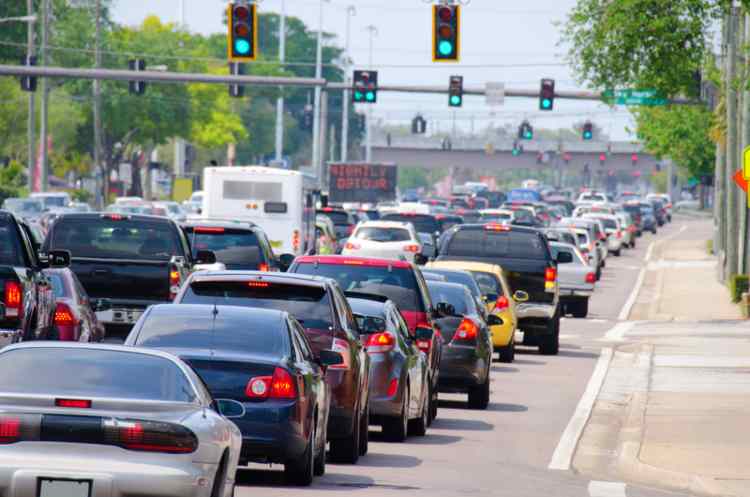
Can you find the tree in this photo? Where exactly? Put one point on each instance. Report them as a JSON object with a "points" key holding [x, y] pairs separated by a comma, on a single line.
{"points": [[12, 181]]}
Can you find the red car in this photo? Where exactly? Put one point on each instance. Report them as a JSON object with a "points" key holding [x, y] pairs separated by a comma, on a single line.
{"points": [[74, 319], [399, 281]]}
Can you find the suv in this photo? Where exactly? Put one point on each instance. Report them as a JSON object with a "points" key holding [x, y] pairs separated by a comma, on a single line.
{"points": [[423, 223], [343, 222], [532, 273], [400, 281], [322, 309]]}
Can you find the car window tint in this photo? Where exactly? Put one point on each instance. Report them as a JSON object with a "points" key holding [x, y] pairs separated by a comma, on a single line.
{"points": [[10, 247], [97, 373], [230, 246], [299, 337], [58, 285], [450, 293], [488, 283], [383, 234], [486, 243], [422, 223]]}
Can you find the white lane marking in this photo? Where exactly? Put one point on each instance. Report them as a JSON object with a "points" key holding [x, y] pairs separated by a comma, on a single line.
{"points": [[607, 489], [618, 331], [563, 454], [625, 312], [649, 252]]}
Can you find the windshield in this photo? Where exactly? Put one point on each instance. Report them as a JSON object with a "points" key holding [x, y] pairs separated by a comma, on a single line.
{"points": [[422, 223], [383, 234], [23, 206], [491, 244], [452, 294], [237, 249]]}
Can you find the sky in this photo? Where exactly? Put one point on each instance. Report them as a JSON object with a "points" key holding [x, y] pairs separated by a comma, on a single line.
{"points": [[516, 43]]}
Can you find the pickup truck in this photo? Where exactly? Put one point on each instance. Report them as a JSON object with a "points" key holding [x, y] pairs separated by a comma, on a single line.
{"points": [[27, 307], [125, 262], [525, 257]]}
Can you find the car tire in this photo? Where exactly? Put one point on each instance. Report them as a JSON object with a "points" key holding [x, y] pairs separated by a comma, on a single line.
{"points": [[604, 263], [549, 343], [217, 489], [617, 252], [319, 468], [508, 353], [418, 427], [598, 273], [364, 431], [300, 471], [346, 450], [433, 403], [479, 396], [397, 429], [581, 309], [653, 231]]}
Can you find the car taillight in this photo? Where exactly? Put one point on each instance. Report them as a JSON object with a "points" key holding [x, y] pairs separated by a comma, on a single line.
{"points": [[392, 387], [502, 303], [279, 386], [73, 403], [149, 436], [619, 234], [10, 429], [602, 236], [550, 279], [263, 267], [13, 299], [342, 347], [65, 322], [412, 248], [352, 246], [466, 332], [380, 343], [591, 278], [174, 283]]}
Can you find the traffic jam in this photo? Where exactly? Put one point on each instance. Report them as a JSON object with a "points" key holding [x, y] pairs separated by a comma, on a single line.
{"points": [[155, 349]]}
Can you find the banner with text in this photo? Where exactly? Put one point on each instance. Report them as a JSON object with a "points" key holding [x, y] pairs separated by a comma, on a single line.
{"points": [[361, 182]]}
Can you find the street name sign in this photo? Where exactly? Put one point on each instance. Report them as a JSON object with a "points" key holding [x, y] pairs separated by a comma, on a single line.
{"points": [[633, 97]]}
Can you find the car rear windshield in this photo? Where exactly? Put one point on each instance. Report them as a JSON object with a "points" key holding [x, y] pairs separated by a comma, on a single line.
{"points": [[461, 278], [488, 283], [10, 245], [311, 305], [609, 224], [491, 244], [337, 217], [383, 234], [452, 294], [398, 284], [234, 247], [230, 332], [106, 238], [93, 373], [446, 224], [423, 223], [583, 239]]}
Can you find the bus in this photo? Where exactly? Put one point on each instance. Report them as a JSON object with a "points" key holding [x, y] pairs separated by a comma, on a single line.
{"points": [[280, 201]]}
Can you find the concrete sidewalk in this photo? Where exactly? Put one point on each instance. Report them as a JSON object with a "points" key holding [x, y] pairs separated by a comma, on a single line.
{"points": [[674, 408]]}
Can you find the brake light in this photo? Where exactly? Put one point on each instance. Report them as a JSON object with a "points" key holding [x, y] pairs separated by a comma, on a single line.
{"points": [[174, 283], [263, 267], [279, 386], [466, 332], [619, 234], [380, 343], [342, 347], [10, 430], [208, 229], [502, 302], [295, 240], [149, 436], [392, 387], [350, 262], [258, 284], [550, 274], [13, 299], [65, 323], [412, 248], [73, 403], [327, 209], [496, 227], [591, 278], [352, 246], [114, 217]]}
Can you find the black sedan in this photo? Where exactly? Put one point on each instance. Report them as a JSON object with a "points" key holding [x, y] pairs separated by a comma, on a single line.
{"points": [[399, 373], [260, 358], [467, 355]]}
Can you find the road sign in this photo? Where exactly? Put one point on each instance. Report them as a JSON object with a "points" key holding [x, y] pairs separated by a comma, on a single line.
{"points": [[746, 163], [633, 97], [495, 94], [362, 182]]}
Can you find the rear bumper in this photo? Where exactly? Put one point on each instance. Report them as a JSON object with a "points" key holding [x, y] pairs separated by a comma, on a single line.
{"points": [[460, 369], [568, 294], [271, 432], [535, 310]]}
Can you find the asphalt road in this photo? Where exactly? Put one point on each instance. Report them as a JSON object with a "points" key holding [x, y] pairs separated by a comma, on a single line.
{"points": [[506, 450]]}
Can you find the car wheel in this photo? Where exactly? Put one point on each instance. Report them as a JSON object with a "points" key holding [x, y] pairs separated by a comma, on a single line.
{"points": [[364, 431], [300, 471], [346, 450], [653, 231], [598, 273], [217, 489], [320, 458], [617, 253], [418, 427], [604, 263], [396, 429], [508, 353], [581, 309], [479, 396], [549, 344], [433, 404]]}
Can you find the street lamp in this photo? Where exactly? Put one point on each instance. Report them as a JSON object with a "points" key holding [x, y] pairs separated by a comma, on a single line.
{"points": [[19, 19]]}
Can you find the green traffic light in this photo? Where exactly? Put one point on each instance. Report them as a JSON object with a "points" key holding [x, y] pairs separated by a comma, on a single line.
{"points": [[528, 135], [546, 103], [445, 47], [455, 100], [358, 96], [516, 152], [370, 96], [242, 47]]}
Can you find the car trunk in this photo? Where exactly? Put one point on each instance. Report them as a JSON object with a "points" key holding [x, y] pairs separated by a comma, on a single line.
{"points": [[123, 279]]}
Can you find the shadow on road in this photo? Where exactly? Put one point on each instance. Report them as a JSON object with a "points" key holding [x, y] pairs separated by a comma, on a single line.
{"points": [[494, 406], [504, 369], [461, 424], [374, 460], [530, 362], [576, 353], [273, 478], [433, 438]]}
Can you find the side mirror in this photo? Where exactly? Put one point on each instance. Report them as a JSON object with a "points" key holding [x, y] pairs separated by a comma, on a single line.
{"points": [[445, 309], [285, 261], [521, 296], [102, 305], [424, 333], [564, 258], [493, 320], [329, 358], [58, 258], [205, 257], [229, 408]]}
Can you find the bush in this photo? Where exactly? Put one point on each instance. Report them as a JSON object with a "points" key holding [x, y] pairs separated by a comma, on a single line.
{"points": [[738, 284]]}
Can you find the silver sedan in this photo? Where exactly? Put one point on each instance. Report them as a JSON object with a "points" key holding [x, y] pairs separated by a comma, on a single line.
{"points": [[81, 420]]}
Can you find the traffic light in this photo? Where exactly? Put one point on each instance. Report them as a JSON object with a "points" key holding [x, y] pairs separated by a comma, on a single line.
{"points": [[456, 91], [525, 131], [517, 149], [28, 83], [602, 158], [588, 131], [242, 37], [445, 33], [236, 69], [418, 126], [137, 87], [634, 159], [306, 123], [547, 94], [365, 87]]}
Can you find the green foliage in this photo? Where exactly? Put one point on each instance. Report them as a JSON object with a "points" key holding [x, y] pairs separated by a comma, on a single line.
{"points": [[12, 181], [81, 195], [738, 284], [412, 177]]}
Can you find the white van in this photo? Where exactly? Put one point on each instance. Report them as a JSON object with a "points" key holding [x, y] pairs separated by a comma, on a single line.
{"points": [[280, 201]]}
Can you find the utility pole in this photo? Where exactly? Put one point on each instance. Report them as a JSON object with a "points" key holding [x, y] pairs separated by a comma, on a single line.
{"points": [[368, 120], [321, 171], [45, 97], [732, 144], [743, 142], [280, 100], [350, 12], [32, 99], [720, 181], [316, 152], [101, 190]]}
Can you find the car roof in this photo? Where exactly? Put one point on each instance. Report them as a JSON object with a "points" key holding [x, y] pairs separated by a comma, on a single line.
{"points": [[367, 306], [102, 215], [384, 224], [288, 278], [219, 223], [465, 266], [91, 346], [352, 261]]}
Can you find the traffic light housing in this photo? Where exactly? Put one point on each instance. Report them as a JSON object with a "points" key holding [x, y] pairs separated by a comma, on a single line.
{"points": [[456, 91], [517, 149], [588, 131], [418, 125], [137, 87], [307, 118], [242, 37], [28, 83], [525, 131], [446, 41], [365, 87], [547, 95]]}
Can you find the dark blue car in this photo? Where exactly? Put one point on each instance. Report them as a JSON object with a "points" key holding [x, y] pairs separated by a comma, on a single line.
{"points": [[262, 359]]}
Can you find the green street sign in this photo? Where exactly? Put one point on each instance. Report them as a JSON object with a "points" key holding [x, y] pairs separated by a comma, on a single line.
{"points": [[633, 97]]}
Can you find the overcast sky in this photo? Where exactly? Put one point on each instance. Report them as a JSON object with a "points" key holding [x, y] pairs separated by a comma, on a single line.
{"points": [[515, 43]]}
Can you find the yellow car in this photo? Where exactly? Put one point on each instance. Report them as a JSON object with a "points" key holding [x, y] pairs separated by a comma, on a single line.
{"points": [[498, 297]]}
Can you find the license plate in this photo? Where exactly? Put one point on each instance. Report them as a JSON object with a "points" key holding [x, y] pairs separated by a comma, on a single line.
{"points": [[49, 487], [120, 316]]}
